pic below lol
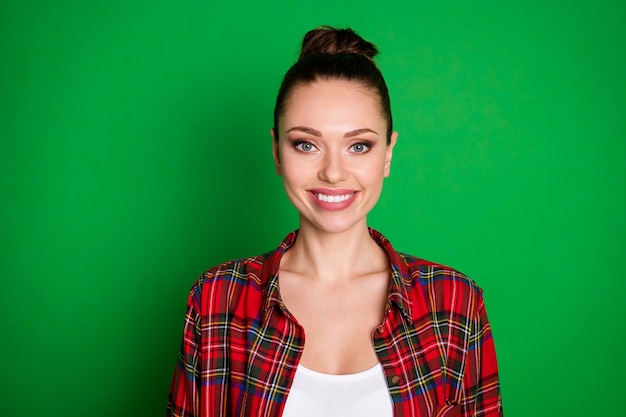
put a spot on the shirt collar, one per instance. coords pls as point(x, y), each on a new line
point(400, 278)
point(398, 287)
point(270, 274)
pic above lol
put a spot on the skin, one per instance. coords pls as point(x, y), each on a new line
point(333, 156)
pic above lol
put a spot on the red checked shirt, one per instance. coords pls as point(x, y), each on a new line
point(241, 346)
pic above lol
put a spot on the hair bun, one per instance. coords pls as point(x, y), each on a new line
point(332, 41)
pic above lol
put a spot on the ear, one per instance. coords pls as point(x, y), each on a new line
point(389, 153)
point(275, 151)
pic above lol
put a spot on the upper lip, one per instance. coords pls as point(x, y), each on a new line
point(332, 191)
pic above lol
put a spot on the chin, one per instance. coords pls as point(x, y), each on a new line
point(333, 225)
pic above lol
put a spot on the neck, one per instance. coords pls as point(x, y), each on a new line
point(333, 257)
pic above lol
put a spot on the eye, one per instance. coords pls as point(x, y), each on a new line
point(360, 147)
point(304, 146)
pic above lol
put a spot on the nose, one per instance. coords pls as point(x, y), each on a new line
point(333, 169)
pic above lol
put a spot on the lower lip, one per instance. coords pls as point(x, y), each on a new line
point(327, 205)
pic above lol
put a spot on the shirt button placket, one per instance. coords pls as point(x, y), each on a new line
point(381, 329)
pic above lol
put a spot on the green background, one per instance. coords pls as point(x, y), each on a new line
point(135, 153)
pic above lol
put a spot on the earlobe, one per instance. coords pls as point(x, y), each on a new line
point(389, 153)
point(275, 151)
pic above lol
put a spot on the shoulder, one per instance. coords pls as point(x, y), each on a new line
point(429, 285)
point(444, 288)
point(220, 287)
point(427, 272)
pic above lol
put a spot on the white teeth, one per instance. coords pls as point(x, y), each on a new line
point(333, 198)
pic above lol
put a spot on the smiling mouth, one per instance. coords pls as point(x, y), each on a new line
point(333, 198)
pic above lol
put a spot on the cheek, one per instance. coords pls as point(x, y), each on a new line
point(373, 171)
point(292, 172)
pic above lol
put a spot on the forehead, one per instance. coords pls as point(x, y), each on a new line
point(333, 103)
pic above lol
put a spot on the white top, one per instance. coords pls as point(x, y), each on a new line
point(363, 394)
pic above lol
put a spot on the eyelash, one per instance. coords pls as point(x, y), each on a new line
point(300, 143)
point(367, 146)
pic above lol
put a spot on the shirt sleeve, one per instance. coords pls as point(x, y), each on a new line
point(183, 399)
point(481, 376)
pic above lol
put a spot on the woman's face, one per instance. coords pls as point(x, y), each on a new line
point(332, 153)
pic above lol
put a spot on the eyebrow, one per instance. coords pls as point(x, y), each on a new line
point(317, 133)
point(308, 130)
point(359, 132)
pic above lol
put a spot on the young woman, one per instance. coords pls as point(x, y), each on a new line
point(335, 322)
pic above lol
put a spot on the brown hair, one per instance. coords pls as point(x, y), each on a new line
point(329, 53)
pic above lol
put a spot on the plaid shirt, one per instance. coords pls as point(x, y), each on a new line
point(241, 346)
